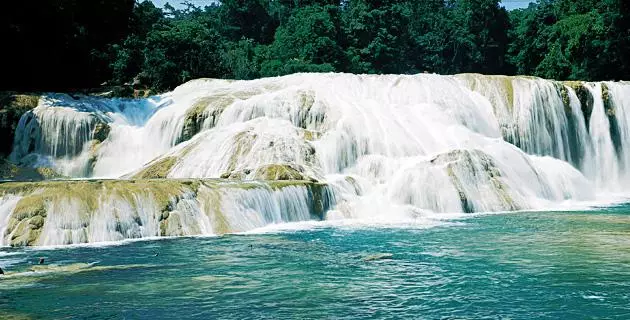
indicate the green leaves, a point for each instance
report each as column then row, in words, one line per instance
column 120, row 41
column 308, row 38
column 571, row 40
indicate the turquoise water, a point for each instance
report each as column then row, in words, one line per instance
column 555, row 265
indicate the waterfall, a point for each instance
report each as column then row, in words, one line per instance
column 387, row 147
column 71, row 212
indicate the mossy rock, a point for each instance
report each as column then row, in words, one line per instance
column 12, row 107
column 212, row 206
column 24, row 234
column 244, row 142
column 101, row 131
column 159, row 169
column 271, row 172
column 193, row 120
column 585, row 97
column 10, row 171
column 481, row 166
column 36, row 222
column 563, row 91
column 306, row 101
column 609, row 107
column 30, row 206
column 310, row 135
column 205, row 109
column 504, row 84
column 321, row 202
column 279, row 172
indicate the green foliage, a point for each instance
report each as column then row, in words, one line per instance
column 306, row 43
column 239, row 60
column 568, row 39
column 59, row 44
column 180, row 50
column 377, row 36
column 71, row 44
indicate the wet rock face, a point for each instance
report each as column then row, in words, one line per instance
column 101, row 131
column 13, row 172
column 465, row 166
column 158, row 169
column 271, row 172
column 207, row 109
column 584, row 95
column 12, row 107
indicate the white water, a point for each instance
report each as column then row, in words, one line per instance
column 7, row 204
column 119, row 215
column 391, row 147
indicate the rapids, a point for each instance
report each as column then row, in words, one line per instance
column 386, row 147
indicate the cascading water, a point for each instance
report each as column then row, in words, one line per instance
column 387, row 148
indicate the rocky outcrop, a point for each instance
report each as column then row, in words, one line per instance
column 502, row 85
column 198, row 113
column 208, row 108
column 12, row 107
column 10, row 171
column 478, row 167
column 157, row 169
column 271, row 172
column 585, row 97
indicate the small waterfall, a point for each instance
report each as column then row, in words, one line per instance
column 7, row 205
column 618, row 100
column 539, row 116
column 579, row 141
column 388, row 147
column 96, row 211
column 605, row 157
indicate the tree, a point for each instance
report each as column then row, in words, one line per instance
column 239, row 60
column 179, row 51
column 307, row 42
column 481, row 40
column 249, row 19
column 378, row 38
column 59, row 44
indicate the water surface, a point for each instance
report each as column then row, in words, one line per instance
column 555, row 265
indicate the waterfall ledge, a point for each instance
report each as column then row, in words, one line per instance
column 85, row 211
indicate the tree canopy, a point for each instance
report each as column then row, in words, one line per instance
column 67, row 44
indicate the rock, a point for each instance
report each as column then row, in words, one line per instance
column 12, row 107
column 279, row 172
column 101, row 131
column 205, row 108
column 157, row 169
column 585, row 97
column 379, row 256
column 488, row 83
column 37, row 222
column 475, row 164
column 272, row 172
column 310, row 135
column 125, row 91
column 615, row 131
column 13, row 172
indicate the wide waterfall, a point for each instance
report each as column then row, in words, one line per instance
column 219, row 156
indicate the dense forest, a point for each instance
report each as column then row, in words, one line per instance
column 73, row 44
